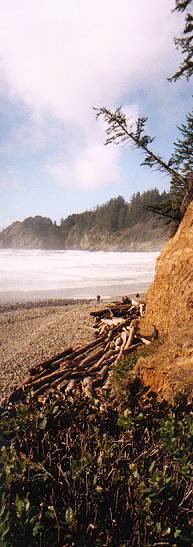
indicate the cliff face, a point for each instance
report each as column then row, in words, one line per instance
column 169, row 369
column 170, row 298
column 140, row 237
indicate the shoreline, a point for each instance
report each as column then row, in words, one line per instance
column 86, row 294
column 60, row 302
column 47, row 303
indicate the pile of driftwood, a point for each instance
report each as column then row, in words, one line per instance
column 89, row 368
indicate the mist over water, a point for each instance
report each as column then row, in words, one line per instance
column 32, row 274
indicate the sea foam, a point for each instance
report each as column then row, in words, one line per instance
column 73, row 274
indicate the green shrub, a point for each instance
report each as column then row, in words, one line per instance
column 74, row 475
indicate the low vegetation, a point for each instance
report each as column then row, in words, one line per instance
column 74, row 473
column 125, row 381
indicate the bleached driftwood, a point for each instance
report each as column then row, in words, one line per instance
column 113, row 322
column 99, row 363
column 87, row 347
column 130, row 337
column 92, row 358
column 49, row 378
column 87, row 387
column 70, row 386
column 55, row 359
column 145, row 341
column 90, row 366
column 124, row 336
column 132, row 348
column 100, row 377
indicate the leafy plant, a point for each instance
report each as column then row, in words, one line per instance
column 74, row 475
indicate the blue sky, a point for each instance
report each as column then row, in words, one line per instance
column 57, row 60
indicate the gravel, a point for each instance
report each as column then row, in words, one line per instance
column 30, row 334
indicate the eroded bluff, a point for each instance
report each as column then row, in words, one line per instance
column 169, row 370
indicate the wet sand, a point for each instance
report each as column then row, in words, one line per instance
column 86, row 293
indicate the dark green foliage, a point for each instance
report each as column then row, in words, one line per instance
column 182, row 160
column 140, row 206
column 182, row 157
column 72, row 475
column 169, row 209
column 120, row 130
column 185, row 43
column 110, row 217
column 181, row 5
column 114, row 217
column 125, row 381
column 117, row 214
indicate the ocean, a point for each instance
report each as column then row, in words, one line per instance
column 37, row 274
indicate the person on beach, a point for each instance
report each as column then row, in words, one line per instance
column 98, row 299
column 126, row 300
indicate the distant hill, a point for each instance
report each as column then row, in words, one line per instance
column 33, row 233
column 116, row 225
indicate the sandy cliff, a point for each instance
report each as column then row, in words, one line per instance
column 170, row 307
column 170, row 297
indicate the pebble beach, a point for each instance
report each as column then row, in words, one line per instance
column 33, row 332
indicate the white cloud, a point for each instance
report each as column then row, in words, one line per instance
column 95, row 166
column 63, row 57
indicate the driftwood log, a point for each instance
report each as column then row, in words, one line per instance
column 84, row 369
column 87, row 387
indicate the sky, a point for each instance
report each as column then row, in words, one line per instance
column 58, row 60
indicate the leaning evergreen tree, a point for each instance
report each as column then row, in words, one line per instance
column 182, row 161
column 182, row 157
column 180, row 166
column 120, row 131
column 185, row 43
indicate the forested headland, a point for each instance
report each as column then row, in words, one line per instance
column 116, row 225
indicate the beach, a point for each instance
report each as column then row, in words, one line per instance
column 36, row 331
column 46, row 298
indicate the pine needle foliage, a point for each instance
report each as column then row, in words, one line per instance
column 182, row 160
column 185, row 43
column 182, row 157
column 119, row 130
